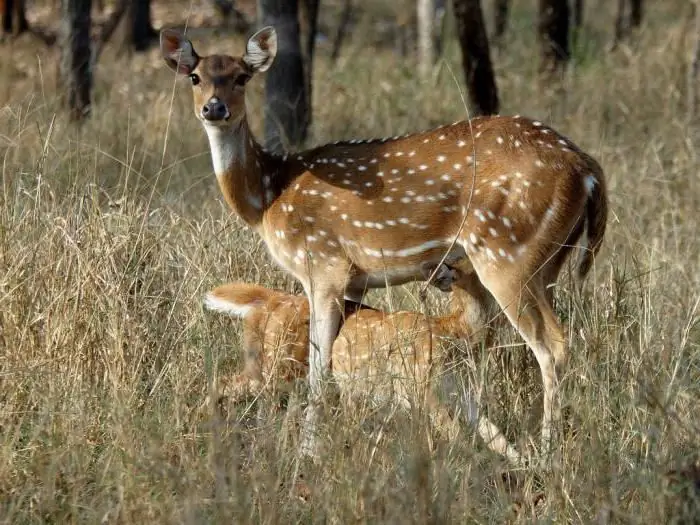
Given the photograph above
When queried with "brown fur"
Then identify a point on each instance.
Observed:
(507, 197)
(390, 354)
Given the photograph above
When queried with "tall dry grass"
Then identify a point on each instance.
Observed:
(110, 233)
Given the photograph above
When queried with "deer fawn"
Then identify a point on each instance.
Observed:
(389, 353)
(502, 198)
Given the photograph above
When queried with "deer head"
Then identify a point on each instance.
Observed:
(218, 81)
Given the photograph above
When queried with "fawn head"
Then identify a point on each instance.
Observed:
(218, 81)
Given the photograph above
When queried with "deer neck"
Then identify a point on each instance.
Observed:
(246, 173)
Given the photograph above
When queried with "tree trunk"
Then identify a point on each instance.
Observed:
(425, 14)
(577, 14)
(14, 17)
(342, 29)
(500, 18)
(694, 67)
(229, 13)
(309, 30)
(439, 27)
(554, 35)
(110, 26)
(136, 32)
(624, 21)
(619, 22)
(76, 64)
(287, 105)
(636, 13)
(476, 59)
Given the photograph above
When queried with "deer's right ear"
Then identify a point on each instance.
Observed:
(178, 52)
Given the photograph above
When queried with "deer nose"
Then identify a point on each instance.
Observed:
(215, 110)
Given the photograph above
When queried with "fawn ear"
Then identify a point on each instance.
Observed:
(444, 276)
(261, 49)
(178, 52)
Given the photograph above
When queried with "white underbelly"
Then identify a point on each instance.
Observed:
(391, 275)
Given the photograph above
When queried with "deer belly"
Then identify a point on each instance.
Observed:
(393, 271)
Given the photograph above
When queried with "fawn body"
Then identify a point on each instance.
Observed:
(401, 354)
(508, 197)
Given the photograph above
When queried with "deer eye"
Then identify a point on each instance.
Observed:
(195, 79)
(241, 80)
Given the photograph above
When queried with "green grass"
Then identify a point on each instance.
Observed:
(111, 233)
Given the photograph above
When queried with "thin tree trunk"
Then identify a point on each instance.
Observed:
(76, 64)
(287, 106)
(109, 28)
(136, 31)
(14, 17)
(142, 32)
(439, 27)
(692, 88)
(636, 12)
(500, 18)
(620, 22)
(476, 59)
(577, 14)
(425, 14)
(309, 30)
(343, 26)
(227, 11)
(554, 35)
(628, 17)
(7, 16)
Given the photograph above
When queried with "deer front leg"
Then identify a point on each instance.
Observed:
(325, 304)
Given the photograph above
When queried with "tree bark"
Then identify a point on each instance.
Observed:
(14, 17)
(500, 18)
(136, 31)
(76, 63)
(476, 59)
(439, 27)
(577, 14)
(619, 22)
(425, 13)
(309, 29)
(624, 21)
(110, 26)
(342, 30)
(636, 12)
(694, 67)
(228, 11)
(554, 35)
(287, 105)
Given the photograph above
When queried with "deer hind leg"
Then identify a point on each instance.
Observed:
(325, 305)
(530, 312)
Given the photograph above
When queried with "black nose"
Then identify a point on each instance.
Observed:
(215, 110)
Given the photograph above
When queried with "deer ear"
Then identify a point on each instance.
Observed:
(261, 49)
(178, 52)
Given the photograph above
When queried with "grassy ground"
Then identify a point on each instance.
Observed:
(111, 233)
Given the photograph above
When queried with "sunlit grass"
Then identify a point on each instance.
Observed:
(111, 233)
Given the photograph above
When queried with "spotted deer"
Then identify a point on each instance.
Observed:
(401, 354)
(502, 198)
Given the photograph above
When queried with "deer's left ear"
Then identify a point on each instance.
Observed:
(178, 52)
(261, 49)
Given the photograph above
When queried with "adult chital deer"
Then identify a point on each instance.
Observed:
(501, 197)
(399, 353)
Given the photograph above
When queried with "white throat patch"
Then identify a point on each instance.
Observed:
(226, 147)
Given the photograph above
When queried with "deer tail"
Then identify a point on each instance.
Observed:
(238, 299)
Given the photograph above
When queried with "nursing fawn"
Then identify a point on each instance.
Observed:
(505, 198)
(402, 354)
